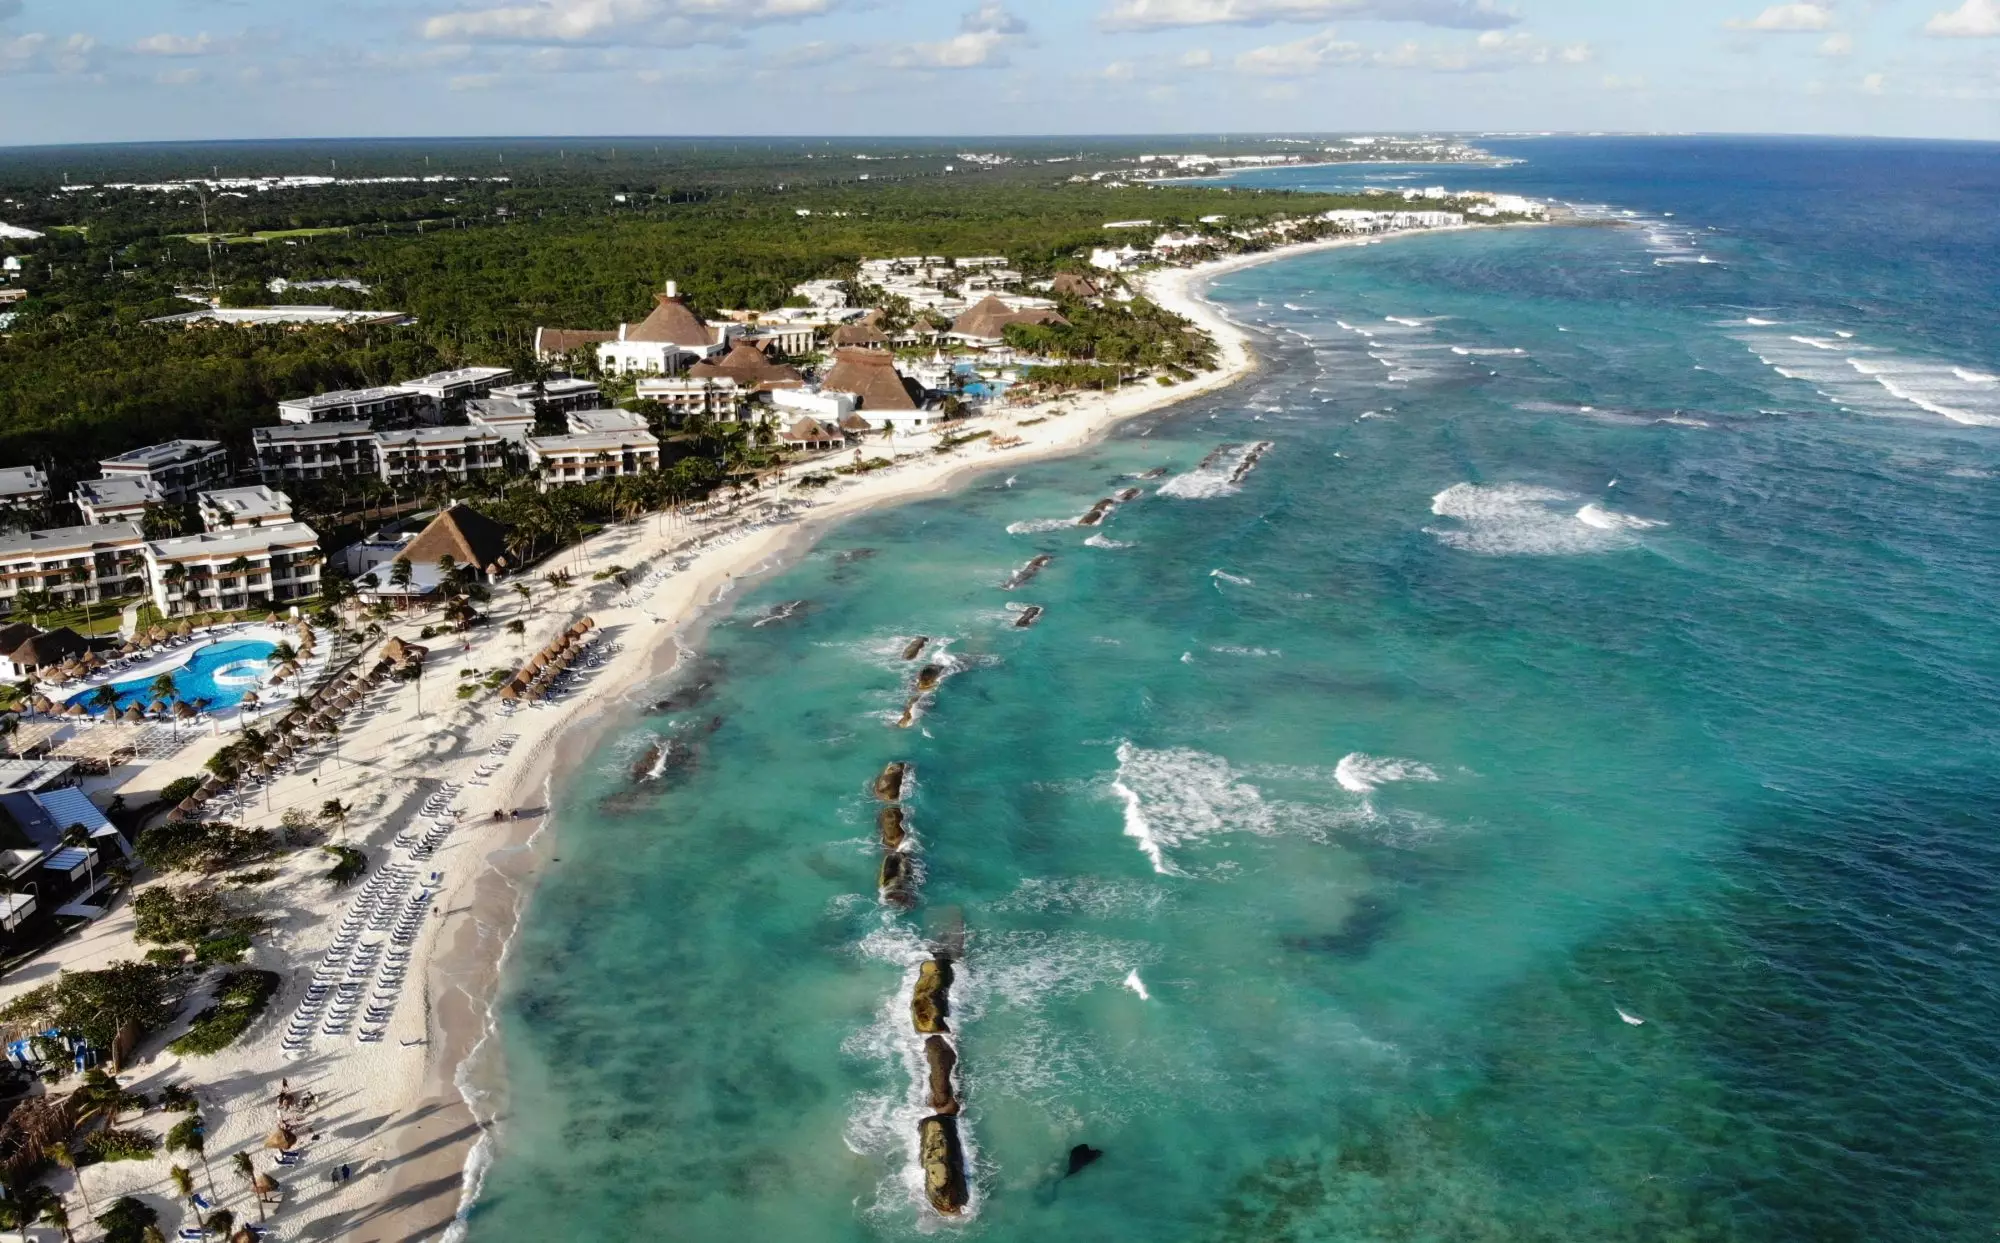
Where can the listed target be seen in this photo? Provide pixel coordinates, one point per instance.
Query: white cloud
(1787, 19)
(818, 52)
(1162, 14)
(38, 53)
(174, 45)
(1492, 52)
(1975, 19)
(1119, 71)
(981, 42)
(179, 77)
(473, 82)
(1200, 58)
(1300, 58)
(1874, 84)
(1837, 45)
(594, 21)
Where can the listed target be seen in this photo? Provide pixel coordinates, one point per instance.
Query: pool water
(219, 673)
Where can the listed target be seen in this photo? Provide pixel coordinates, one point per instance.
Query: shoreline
(440, 1137)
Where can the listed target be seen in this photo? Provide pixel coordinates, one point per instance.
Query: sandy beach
(410, 1117)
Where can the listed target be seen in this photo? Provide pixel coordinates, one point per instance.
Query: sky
(145, 70)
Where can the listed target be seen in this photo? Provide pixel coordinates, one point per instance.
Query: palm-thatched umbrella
(211, 783)
(42, 704)
(281, 1139)
(93, 661)
(249, 699)
(130, 646)
(279, 675)
(265, 1184)
(184, 711)
(272, 619)
(511, 691)
(185, 629)
(133, 712)
(189, 805)
(76, 710)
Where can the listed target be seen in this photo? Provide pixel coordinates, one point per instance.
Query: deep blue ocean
(1551, 796)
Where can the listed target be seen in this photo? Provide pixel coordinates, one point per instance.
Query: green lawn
(266, 235)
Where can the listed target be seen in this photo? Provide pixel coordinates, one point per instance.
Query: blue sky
(109, 70)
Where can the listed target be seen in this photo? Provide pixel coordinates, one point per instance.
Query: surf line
(940, 1145)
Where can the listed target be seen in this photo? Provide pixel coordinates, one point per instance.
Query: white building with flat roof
(561, 460)
(181, 468)
(448, 391)
(238, 568)
(713, 395)
(589, 422)
(75, 565)
(827, 407)
(255, 506)
(23, 486)
(509, 419)
(356, 405)
(556, 395)
(303, 452)
(454, 452)
(117, 498)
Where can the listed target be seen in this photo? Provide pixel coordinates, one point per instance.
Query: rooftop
(281, 315)
(437, 436)
(345, 397)
(169, 453)
(592, 441)
(310, 431)
(57, 540)
(20, 480)
(243, 504)
(234, 542)
(587, 422)
(462, 375)
(119, 490)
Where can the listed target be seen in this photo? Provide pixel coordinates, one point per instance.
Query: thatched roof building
(871, 376)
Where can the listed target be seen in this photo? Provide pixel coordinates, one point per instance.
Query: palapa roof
(469, 537)
(13, 635)
(811, 431)
(864, 335)
(671, 323)
(871, 375)
(988, 321)
(564, 340)
(750, 367)
(1070, 285)
(51, 648)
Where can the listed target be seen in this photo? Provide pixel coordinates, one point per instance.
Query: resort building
(864, 335)
(810, 433)
(750, 367)
(237, 568)
(303, 452)
(471, 539)
(587, 458)
(23, 486)
(827, 407)
(505, 417)
(586, 422)
(283, 317)
(258, 506)
(822, 295)
(555, 344)
(119, 498)
(409, 456)
(663, 343)
(985, 325)
(871, 377)
(181, 468)
(787, 340)
(74, 565)
(448, 391)
(387, 406)
(716, 396)
(556, 395)
(24, 651)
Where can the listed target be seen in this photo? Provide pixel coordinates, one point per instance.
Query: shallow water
(1547, 797)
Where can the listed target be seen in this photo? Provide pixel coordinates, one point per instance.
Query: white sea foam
(1754, 322)
(1261, 652)
(1470, 352)
(1363, 774)
(1974, 377)
(1176, 797)
(1084, 895)
(1099, 541)
(1035, 526)
(1603, 519)
(1818, 343)
(1521, 520)
(1227, 577)
(1138, 986)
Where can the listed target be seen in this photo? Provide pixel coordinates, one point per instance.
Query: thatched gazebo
(133, 712)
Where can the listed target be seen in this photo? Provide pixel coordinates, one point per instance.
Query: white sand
(394, 1111)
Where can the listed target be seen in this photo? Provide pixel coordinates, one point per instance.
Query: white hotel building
(237, 568)
(75, 565)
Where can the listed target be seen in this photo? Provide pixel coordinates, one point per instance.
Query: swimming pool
(218, 673)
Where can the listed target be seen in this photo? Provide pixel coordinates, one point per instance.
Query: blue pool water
(218, 673)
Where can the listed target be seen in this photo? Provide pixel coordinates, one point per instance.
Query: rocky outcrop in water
(942, 1060)
(1126, 496)
(1248, 462)
(1021, 577)
(895, 879)
(889, 786)
(890, 824)
(1097, 512)
(928, 679)
(1158, 472)
(916, 647)
(930, 1000)
(1081, 1158)
(647, 766)
(1028, 617)
(944, 1164)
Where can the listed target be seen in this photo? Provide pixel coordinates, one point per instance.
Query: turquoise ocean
(1549, 796)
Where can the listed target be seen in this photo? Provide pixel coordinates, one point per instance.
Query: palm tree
(399, 572)
(56, 1215)
(23, 1204)
(526, 593)
(248, 1170)
(220, 1222)
(105, 697)
(163, 687)
(519, 630)
(60, 1153)
(334, 812)
(183, 1184)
